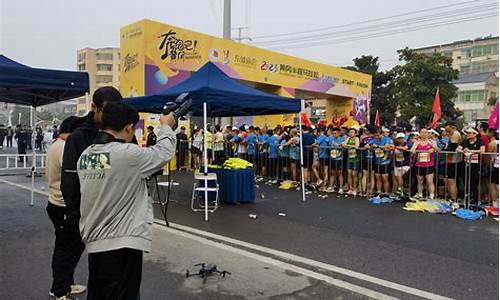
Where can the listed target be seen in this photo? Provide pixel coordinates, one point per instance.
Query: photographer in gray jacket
(116, 212)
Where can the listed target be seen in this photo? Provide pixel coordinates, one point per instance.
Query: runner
(367, 163)
(336, 161)
(472, 147)
(322, 142)
(294, 147)
(493, 170)
(353, 165)
(452, 159)
(382, 146)
(424, 150)
(401, 162)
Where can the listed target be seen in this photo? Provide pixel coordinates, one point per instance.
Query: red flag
(377, 119)
(436, 109)
(305, 119)
(493, 120)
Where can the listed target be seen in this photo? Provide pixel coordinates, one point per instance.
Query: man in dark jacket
(151, 140)
(76, 143)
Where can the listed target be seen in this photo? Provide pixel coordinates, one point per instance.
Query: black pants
(9, 141)
(115, 275)
(68, 248)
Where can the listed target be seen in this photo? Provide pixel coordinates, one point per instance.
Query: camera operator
(80, 139)
(116, 212)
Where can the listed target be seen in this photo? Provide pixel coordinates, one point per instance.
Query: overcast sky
(47, 33)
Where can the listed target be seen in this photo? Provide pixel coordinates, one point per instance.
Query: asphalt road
(439, 254)
(26, 237)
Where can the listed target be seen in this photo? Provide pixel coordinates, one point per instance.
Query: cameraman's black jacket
(76, 143)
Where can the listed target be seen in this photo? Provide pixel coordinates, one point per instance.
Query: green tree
(21, 115)
(416, 81)
(45, 115)
(381, 98)
(492, 101)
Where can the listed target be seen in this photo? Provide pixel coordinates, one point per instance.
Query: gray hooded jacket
(116, 211)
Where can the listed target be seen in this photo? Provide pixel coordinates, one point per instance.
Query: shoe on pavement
(75, 290)
(66, 297)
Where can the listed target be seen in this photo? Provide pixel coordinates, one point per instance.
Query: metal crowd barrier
(21, 161)
(467, 179)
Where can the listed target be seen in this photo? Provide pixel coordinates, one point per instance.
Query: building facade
(477, 62)
(103, 66)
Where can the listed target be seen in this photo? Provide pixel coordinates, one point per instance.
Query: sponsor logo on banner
(177, 49)
(215, 55)
(130, 62)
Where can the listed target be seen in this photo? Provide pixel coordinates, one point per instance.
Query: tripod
(163, 205)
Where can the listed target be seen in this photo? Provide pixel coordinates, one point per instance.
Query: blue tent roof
(224, 95)
(24, 85)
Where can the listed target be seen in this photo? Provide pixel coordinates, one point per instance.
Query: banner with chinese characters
(156, 56)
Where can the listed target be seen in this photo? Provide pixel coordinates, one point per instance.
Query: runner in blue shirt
(382, 147)
(323, 143)
(336, 160)
(272, 144)
(251, 141)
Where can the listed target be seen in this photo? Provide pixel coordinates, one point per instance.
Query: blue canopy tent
(215, 94)
(21, 84)
(224, 96)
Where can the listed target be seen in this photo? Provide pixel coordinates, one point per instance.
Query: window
(104, 56)
(485, 50)
(104, 67)
(81, 67)
(81, 56)
(467, 52)
(103, 78)
(472, 96)
(465, 69)
(484, 66)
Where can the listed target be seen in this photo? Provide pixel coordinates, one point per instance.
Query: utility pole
(226, 34)
(241, 38)
(226, 30)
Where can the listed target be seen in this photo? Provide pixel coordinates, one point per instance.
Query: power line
(423, 19)
(367, 21)
(386, 33)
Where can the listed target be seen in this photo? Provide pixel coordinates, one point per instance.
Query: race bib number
(335, 153)
(379, 153)
(496, 163)
(424, 157)
(474, 158)
(352, 153)
(400, 156)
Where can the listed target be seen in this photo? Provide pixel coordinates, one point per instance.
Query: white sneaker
(75, 290)
(341, 191)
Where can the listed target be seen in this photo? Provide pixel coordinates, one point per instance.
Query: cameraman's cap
(400, 135)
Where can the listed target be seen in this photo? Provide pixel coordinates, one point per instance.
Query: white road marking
(289, 257)
(313, 263)
(278, 263)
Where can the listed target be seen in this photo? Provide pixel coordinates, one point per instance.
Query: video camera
(180, 107)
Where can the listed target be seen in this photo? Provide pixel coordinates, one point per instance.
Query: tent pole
(302, 104)
(33, 157)
(205, 157)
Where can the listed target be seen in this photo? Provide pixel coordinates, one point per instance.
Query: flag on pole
(377, 119)
(305, 119)
(493, 119)
(436, 109)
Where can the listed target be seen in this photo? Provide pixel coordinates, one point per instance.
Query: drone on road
(206, 271)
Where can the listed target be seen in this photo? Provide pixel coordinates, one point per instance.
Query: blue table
(235, 186)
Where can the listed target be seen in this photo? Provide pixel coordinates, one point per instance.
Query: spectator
(151, 139)
(181, 148)
(56, 210)
(10, 135)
